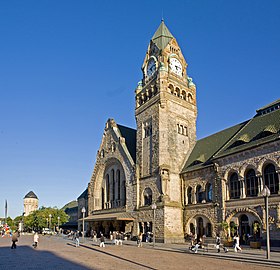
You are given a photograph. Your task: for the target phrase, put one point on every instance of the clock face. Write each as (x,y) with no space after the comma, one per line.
(151,68)
(176,66)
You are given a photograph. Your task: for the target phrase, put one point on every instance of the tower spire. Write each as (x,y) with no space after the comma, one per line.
(162,36)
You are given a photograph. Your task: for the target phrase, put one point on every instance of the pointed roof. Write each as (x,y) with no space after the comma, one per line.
(31,194)
(130,139)
(162,36)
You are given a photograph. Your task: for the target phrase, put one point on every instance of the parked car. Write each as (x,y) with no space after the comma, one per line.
(47,231)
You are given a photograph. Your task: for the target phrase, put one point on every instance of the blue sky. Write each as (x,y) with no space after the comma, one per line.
(68,66)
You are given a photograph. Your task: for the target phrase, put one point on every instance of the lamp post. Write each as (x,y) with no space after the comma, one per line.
(47,222)
(154,207)
(58,219)
(266,193)
(22,221)
(83,211)
(50,223)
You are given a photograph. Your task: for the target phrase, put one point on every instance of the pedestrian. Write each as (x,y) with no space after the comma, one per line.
(236,243)
(77,238)
(14,240)
(197,245)
(139,239)
(95,237)
(36,240)
(121,237)
(218,244)
(102,240)
(117,240)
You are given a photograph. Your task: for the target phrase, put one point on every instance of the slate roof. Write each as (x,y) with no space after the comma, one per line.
(162,36)
(205,148)
(259,130)
(71,204)
(31,194)
(130,139)
(84,195)
(264,127)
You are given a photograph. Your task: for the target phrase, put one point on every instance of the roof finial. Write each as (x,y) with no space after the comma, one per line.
(162,15)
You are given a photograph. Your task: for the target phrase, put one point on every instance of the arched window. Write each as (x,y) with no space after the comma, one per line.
(199,194)
(256,229)
(171,89)
(192,229)
(124,192)
(148,196)
(271,179)
(208,230)
(184,95)
(209,192)
(102,198)
(200,227)
(234,187)
(119,184)
(113,183)
(189,195)
(190,98)
(107,188)
(177,92)
(251,183)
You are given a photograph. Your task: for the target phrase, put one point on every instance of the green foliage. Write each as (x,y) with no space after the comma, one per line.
(40,219)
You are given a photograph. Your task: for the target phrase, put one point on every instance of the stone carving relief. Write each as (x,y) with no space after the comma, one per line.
(165,181)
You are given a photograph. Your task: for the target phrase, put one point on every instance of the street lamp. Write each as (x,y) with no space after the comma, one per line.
(266,193)
(154,207)
(50,223)
(58,219)
(83,211)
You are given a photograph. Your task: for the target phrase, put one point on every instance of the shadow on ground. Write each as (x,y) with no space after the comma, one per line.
(25,257)
(95,248)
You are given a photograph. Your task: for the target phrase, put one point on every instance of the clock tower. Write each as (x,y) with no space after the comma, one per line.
(166,115)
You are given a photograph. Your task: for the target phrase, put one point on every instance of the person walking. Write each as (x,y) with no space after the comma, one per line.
(94,237)
(236,243)
(197,245)
(14,240)
(102,241)
(77,238)
(139,239)
(36,240)
(218,244)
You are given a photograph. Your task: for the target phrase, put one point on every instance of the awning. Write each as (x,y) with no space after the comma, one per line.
(110,216)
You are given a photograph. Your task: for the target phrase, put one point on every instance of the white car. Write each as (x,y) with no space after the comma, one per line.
(47,231)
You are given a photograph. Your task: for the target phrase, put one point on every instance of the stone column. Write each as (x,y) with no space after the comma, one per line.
(278,174)
(278,215)
(226,189)
(194,196)
(260,184)
(242,188)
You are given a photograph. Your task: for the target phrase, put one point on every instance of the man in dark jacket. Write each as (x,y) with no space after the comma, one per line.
(14,240)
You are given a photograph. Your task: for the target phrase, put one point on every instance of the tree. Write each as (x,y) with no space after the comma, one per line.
(45,217)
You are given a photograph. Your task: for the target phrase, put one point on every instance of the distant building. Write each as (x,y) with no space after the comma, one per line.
(71,209)
(82,202)
(30,203)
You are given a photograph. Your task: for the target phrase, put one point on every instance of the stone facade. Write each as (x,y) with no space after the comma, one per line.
(161,163)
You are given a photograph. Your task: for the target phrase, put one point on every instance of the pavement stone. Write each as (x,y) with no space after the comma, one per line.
(56,252)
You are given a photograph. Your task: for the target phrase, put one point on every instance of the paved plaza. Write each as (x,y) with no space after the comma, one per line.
(58,253)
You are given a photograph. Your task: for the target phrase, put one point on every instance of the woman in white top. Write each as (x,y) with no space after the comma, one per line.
(236,243)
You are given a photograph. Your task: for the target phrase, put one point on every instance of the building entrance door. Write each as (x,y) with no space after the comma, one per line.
(244,229)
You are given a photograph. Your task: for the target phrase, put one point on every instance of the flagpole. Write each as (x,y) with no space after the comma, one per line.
(6,211)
